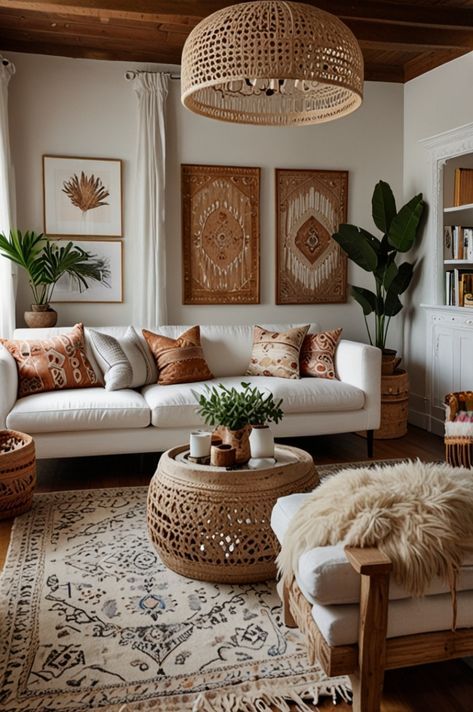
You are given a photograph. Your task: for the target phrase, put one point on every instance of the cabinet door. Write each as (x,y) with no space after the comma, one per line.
(443,372)
(464,359)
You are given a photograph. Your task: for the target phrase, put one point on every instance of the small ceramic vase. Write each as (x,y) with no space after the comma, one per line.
(261,441)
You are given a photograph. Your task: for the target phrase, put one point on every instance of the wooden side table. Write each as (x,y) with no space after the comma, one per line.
(17,473)
(213,524)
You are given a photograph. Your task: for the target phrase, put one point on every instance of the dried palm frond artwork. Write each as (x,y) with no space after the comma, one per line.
(86,192)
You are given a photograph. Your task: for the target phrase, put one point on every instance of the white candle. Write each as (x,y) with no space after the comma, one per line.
(200,443)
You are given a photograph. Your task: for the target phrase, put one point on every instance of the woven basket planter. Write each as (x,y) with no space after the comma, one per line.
(458,435)
(17,473)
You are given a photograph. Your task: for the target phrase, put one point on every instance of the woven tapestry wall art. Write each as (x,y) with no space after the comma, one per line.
(311,268)
(220,230)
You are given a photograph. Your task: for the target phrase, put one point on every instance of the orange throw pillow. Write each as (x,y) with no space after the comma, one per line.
(52,364)
(318,354)
(179,360)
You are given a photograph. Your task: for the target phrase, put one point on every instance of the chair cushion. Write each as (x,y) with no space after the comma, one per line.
(179,360)
(52,364)
(175,405)
(318,354)
(339,624)
(325,576)
(276,353)
(85,409)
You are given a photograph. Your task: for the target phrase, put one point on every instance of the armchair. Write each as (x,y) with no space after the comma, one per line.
(383,628)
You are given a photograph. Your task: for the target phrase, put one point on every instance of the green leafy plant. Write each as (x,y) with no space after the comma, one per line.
(46,261)
(379,256)
(234,409)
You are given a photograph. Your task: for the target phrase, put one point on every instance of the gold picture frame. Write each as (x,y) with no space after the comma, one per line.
(310,266)
(82,197)
(220,234)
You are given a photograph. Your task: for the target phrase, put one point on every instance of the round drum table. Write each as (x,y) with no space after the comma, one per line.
(213,524)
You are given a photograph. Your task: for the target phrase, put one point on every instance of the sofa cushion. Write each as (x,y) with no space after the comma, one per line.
(175,405)
(126,362)
(52,364)
(85,409)
(318,354)
(276,353)
(339,624)
(325,576)
(179,360)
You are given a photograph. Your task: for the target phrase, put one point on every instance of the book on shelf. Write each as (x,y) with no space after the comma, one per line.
(461,241)
(463,186)
(458,288)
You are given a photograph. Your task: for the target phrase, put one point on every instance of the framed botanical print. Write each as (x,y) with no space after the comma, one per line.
(220,234)
(110,290)
(311,267)
(82,197)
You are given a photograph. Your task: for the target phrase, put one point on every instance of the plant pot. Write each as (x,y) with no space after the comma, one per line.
(389,362)
(41,316)
(261,441)
(240,440)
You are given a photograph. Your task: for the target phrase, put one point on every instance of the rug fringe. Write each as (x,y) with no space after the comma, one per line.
(284,701)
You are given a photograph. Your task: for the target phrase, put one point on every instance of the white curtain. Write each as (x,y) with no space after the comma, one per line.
(7,290)
(150,240)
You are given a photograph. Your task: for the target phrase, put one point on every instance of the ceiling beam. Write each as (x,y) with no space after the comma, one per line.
(153,10)
(408,38)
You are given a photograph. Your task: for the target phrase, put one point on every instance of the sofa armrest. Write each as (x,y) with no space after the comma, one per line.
(360,365)
(8,384)
(368,562)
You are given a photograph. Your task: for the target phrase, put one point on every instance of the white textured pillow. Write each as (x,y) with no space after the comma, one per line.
(125,363)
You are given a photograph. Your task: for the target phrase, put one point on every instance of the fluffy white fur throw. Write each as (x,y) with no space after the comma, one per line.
(420,515)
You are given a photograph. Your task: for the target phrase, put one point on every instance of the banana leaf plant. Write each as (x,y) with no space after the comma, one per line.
(45,261)
(380,257)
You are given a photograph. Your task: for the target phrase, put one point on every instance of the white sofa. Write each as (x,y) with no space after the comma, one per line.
(93,421)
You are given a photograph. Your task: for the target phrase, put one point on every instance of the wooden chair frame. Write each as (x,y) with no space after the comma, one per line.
(366,661)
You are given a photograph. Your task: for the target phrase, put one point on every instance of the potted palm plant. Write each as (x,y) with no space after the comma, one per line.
(380,257)
(45,261)
(235,412)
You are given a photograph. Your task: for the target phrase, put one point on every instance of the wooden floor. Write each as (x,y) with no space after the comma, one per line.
(445,687)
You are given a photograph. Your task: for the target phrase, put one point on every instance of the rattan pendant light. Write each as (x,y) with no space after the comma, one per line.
(271,62)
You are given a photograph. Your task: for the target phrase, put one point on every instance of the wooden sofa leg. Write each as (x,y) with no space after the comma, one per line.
(283,591)
(370,442)
(367,683)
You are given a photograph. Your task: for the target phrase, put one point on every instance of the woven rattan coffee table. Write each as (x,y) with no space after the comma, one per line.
(213,524)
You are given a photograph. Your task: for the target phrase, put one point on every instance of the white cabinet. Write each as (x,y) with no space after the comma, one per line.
(450,368)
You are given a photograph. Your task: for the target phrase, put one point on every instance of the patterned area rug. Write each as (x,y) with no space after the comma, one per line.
(90,618)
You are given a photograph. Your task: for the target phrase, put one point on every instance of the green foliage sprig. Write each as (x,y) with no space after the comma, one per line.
(46,261)
(234,408)
(379,257)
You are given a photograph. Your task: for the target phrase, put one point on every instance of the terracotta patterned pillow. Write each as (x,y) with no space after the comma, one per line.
(318,354)
(276,353)
(52,364)
(179,360)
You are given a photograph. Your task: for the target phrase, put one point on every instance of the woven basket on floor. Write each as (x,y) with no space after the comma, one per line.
(17,473)
(458,445)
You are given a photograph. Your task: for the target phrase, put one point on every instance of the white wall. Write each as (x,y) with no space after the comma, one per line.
(86,108)
(437,101)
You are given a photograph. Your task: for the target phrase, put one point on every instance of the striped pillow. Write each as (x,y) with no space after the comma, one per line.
(179,360)
(318,354)
(276,353)
(125,362)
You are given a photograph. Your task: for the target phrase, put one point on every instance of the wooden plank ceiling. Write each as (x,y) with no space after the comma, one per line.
(400,40)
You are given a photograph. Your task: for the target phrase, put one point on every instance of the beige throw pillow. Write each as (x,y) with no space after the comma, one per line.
(125,362)
(276,353)
(318,354)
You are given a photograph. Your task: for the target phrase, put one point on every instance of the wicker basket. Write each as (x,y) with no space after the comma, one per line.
(458,445)
(17,473)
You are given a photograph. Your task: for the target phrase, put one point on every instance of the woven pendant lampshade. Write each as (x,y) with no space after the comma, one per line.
(271,62)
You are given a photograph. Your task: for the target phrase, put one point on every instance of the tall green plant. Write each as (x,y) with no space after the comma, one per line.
(379,256)
(46,261)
